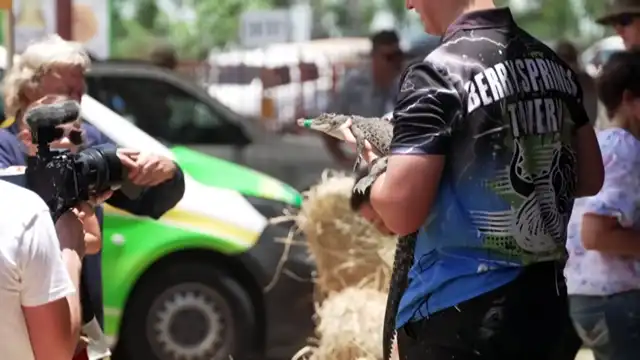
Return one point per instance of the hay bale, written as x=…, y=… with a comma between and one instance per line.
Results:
x=349, y=326
x=353, y=261
x=348, y=250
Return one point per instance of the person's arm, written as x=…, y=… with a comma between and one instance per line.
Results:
x=50, y=302
x=424, y=119
x=153, y=201
x=609, y=215
x=605, y=234
x=91, y=226
x=590, y=171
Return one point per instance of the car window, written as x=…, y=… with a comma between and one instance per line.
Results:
x=161, y=109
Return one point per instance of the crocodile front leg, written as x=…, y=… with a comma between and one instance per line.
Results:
x=360, y=146
x=402, y=262
x=378, y=168
x=356, y=165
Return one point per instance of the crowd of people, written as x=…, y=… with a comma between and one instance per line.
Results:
x=526, y=219
x=42, y=263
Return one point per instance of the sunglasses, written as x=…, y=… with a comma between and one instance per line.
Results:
x=71, y=132
x=623, y=20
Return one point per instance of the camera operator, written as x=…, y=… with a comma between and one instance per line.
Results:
x=40, y=269
x=56, y=67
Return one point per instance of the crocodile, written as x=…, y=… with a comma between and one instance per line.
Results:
x=378, y=132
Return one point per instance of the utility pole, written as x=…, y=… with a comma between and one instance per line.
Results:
x=64, y=18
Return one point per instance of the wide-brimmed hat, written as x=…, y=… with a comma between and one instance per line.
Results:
x=617, y=8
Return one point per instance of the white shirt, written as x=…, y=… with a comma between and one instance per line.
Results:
x=32, y=272
x=590, y=272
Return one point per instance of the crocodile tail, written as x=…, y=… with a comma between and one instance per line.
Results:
x=402, y=262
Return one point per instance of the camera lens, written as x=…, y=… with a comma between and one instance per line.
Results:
x=101, y=168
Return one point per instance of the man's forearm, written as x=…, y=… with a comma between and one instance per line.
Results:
x=154, y=201
x=383, y=204
x=404, y=194
x=618, y=242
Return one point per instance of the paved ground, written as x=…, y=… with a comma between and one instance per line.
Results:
x=584, y=355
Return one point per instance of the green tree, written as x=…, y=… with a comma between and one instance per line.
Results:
x=146, y=14
x=594, y=8
x=216, y=25
x=550, y=19
x=398, y=8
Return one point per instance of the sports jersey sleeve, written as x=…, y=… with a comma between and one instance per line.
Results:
x=576, y=106
x=44, y=276
x=427, y=111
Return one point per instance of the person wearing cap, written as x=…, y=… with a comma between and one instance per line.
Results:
x=624, y=17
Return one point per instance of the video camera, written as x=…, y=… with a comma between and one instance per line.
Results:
x=61, y=178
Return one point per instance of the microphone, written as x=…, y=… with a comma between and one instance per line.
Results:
x=45, y=115
x=52, y=110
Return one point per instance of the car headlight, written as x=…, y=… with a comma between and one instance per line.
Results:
x=269, y=208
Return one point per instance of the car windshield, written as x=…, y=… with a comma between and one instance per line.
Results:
x=119, y=129
x=114, y=126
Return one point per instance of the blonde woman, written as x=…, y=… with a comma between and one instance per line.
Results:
x=603, y=271
x=54, y=66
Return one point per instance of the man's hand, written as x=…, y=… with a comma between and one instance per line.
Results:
x=91, y=227
x=146, y=169
x=71, y=233
x=368, y=154
x=99, y=199
x=367, y=212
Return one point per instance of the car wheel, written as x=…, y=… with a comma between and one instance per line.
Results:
x=189, y=311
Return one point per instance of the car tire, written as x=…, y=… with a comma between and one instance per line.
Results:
x=189, y=311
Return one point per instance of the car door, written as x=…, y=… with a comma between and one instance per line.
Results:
x=168, y=112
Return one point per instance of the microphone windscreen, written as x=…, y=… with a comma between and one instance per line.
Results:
x=52, y=110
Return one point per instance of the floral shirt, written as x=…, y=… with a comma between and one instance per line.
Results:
x=590, y=272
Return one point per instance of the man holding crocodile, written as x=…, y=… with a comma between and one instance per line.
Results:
x=489, y=149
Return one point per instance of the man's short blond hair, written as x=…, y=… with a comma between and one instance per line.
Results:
x=36, y=60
